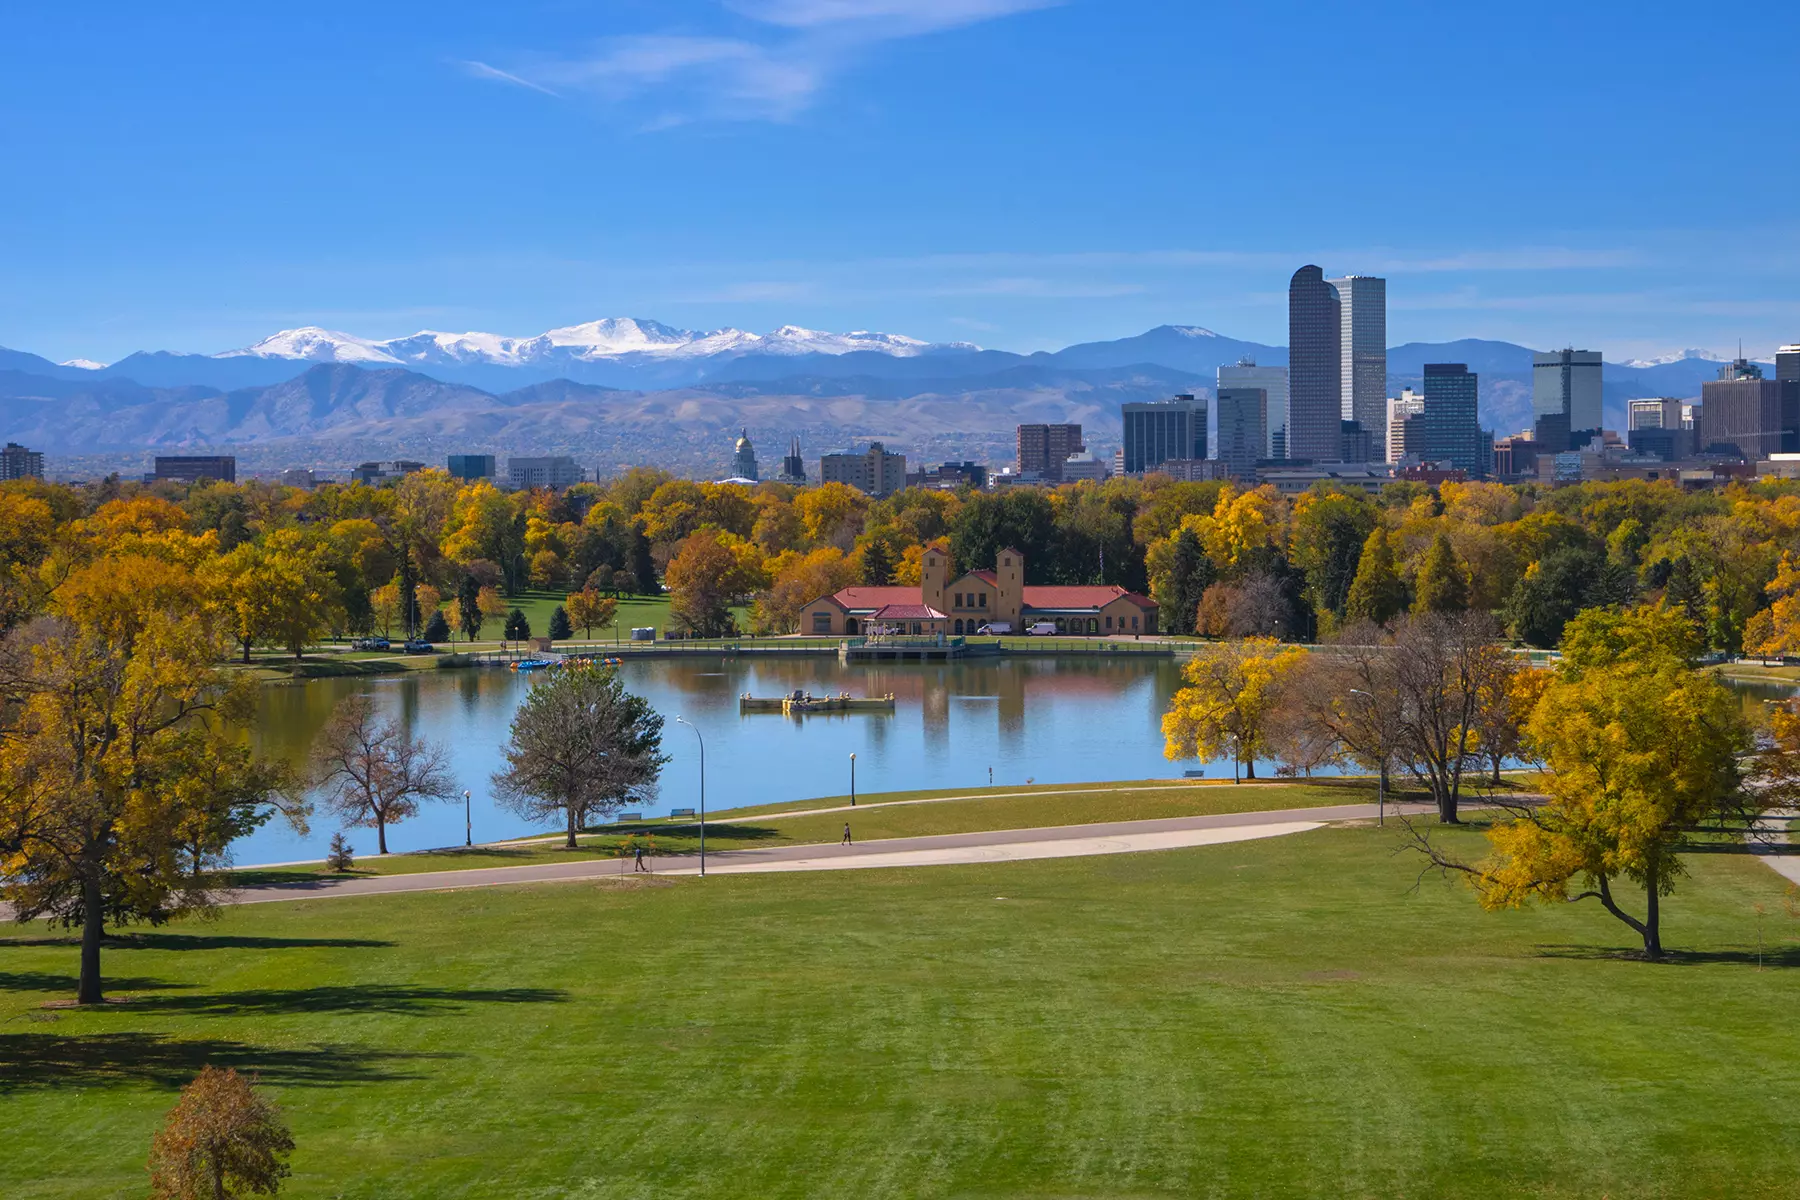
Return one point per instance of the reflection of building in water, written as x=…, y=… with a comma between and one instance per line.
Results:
x=935, y=710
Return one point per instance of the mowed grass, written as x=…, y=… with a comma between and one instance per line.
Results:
x=888, y=815
x=1291, y=1017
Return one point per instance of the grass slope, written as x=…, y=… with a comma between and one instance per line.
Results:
x=1280, y=1018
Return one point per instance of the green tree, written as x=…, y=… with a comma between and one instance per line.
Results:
x=1560, y=585
x=1377, y=594
x=1327, y=536
x=469, y=616
x=219, y=1142
x=1441, y=586
x=1190, y=573
x=580, y=745
x=436, y=628
x=517, y=627
x=560, y=630
x=878, y=563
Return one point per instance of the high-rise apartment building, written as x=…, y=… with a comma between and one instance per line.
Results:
x=874, y=471
x=1568, y=382
x=1243, y=429
x=16, y=462
x=1315, y=367
x=1362, y=348
x=192, y=468
x=470, y=467
x=555, y=471
x=1045, y=448
x=1159, y=430
x=1272, y=380
x=1405, y=433
x=1451, y=417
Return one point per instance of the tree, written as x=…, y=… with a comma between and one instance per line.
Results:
x=1377, y=594
x=387, y=602
x=493, y=606
x=436, y=629
x=705, y=578
x=221, y=1140
x=799, y=579
x=1441, y=586
x=560, y=630
x=878, y=564
x=372, y=773
x=1508, y=692
x=122, y=788
x=517, y=627
x=278, y=590
x=469, y=616
x=1350, y=690
x=1639, y=752
x=580, y=745
x=1328, y=533
x=1180, y=573
x=1440, y=666
x=1232, y=688
x=643, y=567
x=339, y=856
x=1558, y=586
x=590, y=610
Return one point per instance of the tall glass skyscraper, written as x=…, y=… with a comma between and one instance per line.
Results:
x=1157, y=431
x=1315, y=367
x=1451, y=416
x=1362, y=337
x=1567, y=382
x=1272, y=380
x=1243, y=429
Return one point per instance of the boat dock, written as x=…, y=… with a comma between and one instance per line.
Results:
x=800, y=703
x=938, y=648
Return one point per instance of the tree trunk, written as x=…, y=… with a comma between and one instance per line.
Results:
x=381, y=835
x=246, y=651
x=1249, y=768
x=1497, y=779
x=570, y=844
x=1652, y=915
x=93, y=927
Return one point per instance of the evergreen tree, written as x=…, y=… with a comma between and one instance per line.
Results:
x=468, y=607
x=878, y=564
x=560, y=630
x=1377, y=594
x=1440, y=587
x=643, y=567
x=517, y=627
x=437, y=629
x=1191, y=572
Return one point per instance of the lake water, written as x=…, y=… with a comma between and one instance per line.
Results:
x=1051, y=720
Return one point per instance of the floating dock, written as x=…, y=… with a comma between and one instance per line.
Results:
x=801, y=703
x=917, y=649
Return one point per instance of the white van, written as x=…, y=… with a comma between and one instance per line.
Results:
x=1041, y=628
x=994, y=629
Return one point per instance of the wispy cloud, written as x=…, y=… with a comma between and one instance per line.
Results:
x=793, y=50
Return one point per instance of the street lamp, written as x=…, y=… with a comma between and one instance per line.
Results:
x=696, y=729
x=468, y=823
x=852, y=779
x=1234, y=756
x=1381, y=775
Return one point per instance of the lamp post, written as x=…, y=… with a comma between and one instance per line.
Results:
x=1234, y=756
x=468, y=822
x=1381, y=775
x=696, y=729
x=852, y=779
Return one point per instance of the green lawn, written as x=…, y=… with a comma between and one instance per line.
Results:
x=1281, y=1018
x=876, y=817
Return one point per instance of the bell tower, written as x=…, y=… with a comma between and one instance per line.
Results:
x=934, y=575
x=1009, y=576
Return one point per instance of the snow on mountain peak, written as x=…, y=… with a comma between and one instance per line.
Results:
x=1674, y=356
x=1193, y=331
x=313, y=344
x=84, y=364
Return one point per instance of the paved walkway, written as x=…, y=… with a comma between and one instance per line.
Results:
x=1000, y=845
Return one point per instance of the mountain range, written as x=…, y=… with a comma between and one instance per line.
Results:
x=623, y=386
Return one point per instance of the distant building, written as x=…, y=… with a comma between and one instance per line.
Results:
x=16, y=462
x=949, y=476
x=470, y=467
x=555, y=472
x=1315, y=366
x=1452, y=425
x=1290, y=479
x=371, y=474
x=1362, y=349
x=297, y=477
x=192, y=468
x=1787, y=376
x=1515, y=458
x=743, y=458
x=1274, y=381
x=874, y=471
x=1084, y=467
x=1045, y=448
x=1405, y=433
x=1193, y=470
x=1568, y=382
x=1742, y=411
x=1243, y=430
x=1158, y=430
x=1356, y=444
x=1653, y=414
x=793, y=467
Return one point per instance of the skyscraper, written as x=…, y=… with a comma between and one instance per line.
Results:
x=1405, y=428
x=1362, y=348
x=1045, y=448
x=1315, y=367
x=470, y=467
x=1452, y=424
x=1243, y=429
x=1274, y=381
x=1159, y=430
x=1787, y=378
x=16, y=462
x=1567, y=382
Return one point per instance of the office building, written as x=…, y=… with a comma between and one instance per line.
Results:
x=793, y=467
x=1452, y=424
x=1362, y=348
x=1243, y=430
x=373, y=474
x=1741, y=414
x=1405, y=436
x=1084, y=467
x=297, y=477
x=16, y=462
x=1653, y=414
x=1291, y=479
x=743, y=458
x=1655, y=427
x=1315, y=367
x=192, y=468
x=1274, y=381
x=1356, y=444
x=1045, y=448
x=470, y=467
x=1158, y=430
x=556, y=472
x=949, y=476
x=874, y=471
x=1568, y=382
x=1787, y=378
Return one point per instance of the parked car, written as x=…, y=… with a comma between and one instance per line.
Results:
x=369, y=643
x=1041, y=628
x=418, y=646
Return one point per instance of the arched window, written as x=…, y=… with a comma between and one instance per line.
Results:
x=850, y=625
x=957, y=628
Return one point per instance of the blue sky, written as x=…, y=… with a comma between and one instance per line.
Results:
x=1017, y=173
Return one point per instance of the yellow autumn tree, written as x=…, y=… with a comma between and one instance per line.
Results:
x=1232, y=689
x=1775, y=630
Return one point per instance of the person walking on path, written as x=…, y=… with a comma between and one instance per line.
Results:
x=846, y=841
x=637, y=859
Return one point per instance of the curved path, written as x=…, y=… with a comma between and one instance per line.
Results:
x=998, y=845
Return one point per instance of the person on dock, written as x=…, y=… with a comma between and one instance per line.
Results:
x=846, y=841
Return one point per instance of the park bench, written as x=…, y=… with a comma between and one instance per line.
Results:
x=624, y=817
x=681, y=812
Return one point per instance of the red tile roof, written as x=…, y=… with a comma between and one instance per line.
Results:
x=906, y=612
x=877, y=597
x=986, y=575
x=1081, y=596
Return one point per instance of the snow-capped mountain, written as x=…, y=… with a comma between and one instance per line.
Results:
x=1674, y=356
x=611, y=339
